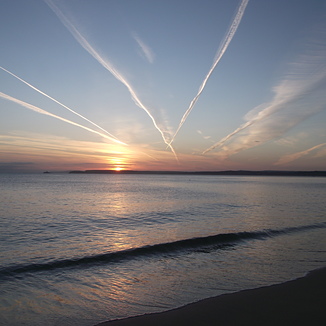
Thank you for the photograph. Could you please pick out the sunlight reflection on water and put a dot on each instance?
(56, 217)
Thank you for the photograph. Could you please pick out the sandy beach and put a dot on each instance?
(296, 302)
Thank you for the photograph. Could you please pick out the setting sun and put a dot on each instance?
(118, 163)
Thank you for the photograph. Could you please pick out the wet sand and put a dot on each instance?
(298, 302)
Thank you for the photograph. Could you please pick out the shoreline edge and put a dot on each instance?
(301, 301)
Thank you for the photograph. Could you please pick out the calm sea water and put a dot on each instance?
(80, 249)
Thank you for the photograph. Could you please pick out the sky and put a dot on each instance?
(189, 85)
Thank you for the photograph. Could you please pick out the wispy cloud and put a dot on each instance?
(319, 150)
(31, 142)
(53, 152)
(201, 133)
(146, 50)
(298, 96)
(223, 47)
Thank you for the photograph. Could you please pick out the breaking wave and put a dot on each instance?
(210, 243)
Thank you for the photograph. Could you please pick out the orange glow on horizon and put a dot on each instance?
(118, 163)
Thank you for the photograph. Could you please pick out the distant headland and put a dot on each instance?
(228, 172)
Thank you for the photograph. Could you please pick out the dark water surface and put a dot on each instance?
(80, 249)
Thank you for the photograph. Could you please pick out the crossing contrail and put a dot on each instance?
(51, 98)
(223, 47)
(41, 111)
(106, 64)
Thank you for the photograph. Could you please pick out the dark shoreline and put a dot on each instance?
(296, 302)
(229, 172)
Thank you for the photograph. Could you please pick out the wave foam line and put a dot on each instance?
(223, 47)
(218, 241)
(41, 111)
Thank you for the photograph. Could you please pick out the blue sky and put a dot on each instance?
(105, 85)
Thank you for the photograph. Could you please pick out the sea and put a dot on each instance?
(79, 249)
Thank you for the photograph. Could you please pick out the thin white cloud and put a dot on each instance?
(146, 50)
(201, 133)
(318, 149)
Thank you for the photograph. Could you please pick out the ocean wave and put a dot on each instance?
(213, 242)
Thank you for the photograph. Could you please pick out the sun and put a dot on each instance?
(117, 163)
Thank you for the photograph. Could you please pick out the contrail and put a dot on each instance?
(222, 141)
(51, 98)
(41, 111)
(291, 157)
(287, 92)
(305, 78)
(223, 47)
(106, 64)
